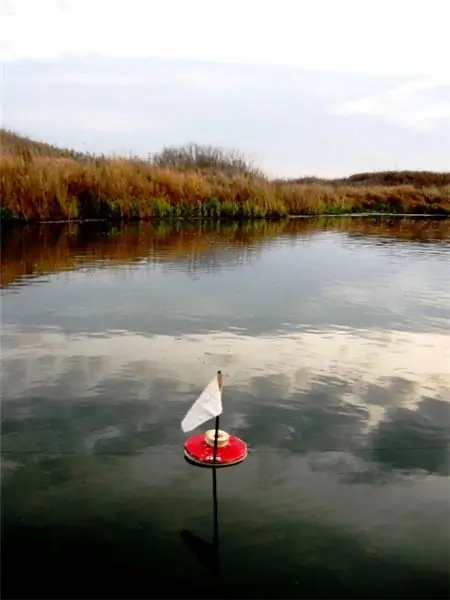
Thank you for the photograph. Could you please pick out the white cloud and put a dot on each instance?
(114, 79)
(96, 120)
(405, 105)
(367, 37)
(209, 82)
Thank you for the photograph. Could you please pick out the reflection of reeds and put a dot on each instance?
(39, 249)
(40, 182)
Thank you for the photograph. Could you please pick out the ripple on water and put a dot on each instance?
(336, 350)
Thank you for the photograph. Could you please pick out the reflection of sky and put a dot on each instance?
(323, 281)
(336, 356)
(358, 357)
(328, 390)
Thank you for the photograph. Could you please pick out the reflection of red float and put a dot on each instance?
(215, 448)
(199, 449)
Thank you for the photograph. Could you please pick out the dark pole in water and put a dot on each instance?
(215, 512)
(216, 434)
(208, 553)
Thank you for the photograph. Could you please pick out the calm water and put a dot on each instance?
(334, 337)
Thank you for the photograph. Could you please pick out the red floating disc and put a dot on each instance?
(199, 452)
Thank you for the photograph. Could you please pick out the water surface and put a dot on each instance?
(334, 337)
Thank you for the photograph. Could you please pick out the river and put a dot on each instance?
(334, 339)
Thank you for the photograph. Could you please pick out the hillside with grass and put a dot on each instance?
(417, 179)
(41, 182)
(15, 145)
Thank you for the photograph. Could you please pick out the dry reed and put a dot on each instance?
(41, 182)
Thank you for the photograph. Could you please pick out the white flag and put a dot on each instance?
(207, 406)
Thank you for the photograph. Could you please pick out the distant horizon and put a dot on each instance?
(310, 89)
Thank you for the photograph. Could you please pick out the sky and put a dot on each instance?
(302, 87)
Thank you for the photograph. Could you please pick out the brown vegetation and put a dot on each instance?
(35, 250)
(41, 182)
(418, 179)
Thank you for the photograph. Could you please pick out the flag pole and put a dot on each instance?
(216, 434)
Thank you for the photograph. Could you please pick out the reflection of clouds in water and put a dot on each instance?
(317, 419)
(408, 438)
(360, 358)
(404, 292)
(427, 428)
(313, 457)
(339, 390)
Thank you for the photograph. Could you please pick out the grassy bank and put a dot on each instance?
(42, 182)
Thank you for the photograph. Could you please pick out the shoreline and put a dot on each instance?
(363, 215)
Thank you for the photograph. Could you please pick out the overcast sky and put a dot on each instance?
(302, 86)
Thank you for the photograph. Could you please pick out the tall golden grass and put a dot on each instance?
(40, 249)
(41, 182)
